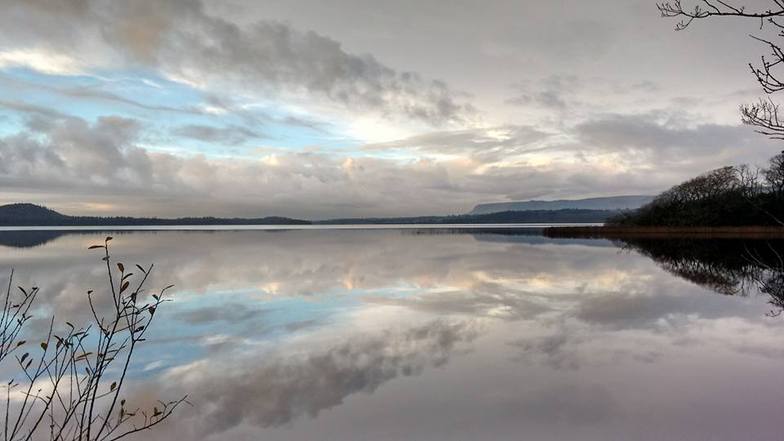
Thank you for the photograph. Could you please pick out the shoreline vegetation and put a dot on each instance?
(71, 382)
(733, 201)
(618, 232)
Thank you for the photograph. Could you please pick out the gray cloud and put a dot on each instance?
(229, 312)
(103, 162)
(78, 154)
(182, 40)
(674, 137)
(229, 135)
(552, 92)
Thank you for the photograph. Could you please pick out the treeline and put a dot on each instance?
(728, 196)
(24, 214)
(142, 221)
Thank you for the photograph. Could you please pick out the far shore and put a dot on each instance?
(219, 227)
(612, 232)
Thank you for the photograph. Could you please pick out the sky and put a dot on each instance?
(316, 109)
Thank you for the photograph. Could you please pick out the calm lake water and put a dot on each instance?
(439, 335)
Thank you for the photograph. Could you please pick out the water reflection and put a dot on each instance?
(727, 266)
(301, 335)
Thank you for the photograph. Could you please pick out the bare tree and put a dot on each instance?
(764, 114)
(774, 175)
(69, 385)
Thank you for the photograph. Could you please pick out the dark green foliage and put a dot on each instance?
(728, 196)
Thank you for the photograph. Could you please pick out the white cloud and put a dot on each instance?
(41, 60)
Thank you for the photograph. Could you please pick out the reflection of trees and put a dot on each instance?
(726, 266)
(28, 239)
(35, 238)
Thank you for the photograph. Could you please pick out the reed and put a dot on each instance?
(612, 232)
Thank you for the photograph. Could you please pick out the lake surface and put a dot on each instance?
(412, 334)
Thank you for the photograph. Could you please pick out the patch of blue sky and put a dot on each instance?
(10, 122)
(86, 96)
(165, 108)
(130, 88)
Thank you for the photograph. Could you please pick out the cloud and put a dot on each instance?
(481, 144)
(553, 92)
(77, 154)
(180, 39)
(229, 312)
(42, 61)
(673, 137)
(230, 135)
(61, 160)
(103, 162)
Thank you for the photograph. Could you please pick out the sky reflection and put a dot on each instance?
(343, 335)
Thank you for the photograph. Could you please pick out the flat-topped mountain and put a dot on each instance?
(613, 203)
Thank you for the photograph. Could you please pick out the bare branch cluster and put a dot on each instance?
(770, 278)
(69, 385)
(764, 114)
(718, 8)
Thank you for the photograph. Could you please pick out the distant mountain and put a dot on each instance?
(504, 217)
(607, 203)
(36, 215)
(28, 213)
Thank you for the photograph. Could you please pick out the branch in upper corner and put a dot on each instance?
(718, 8)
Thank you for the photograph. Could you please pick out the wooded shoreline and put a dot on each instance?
(612, 232)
